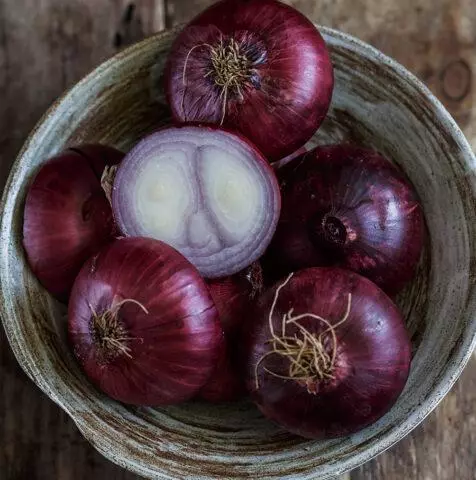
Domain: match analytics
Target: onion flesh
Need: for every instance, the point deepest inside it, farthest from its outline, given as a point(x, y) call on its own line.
point(207, 192)
point(328, 353)
point(259, 67)
point(67, 216)
point(143, 324)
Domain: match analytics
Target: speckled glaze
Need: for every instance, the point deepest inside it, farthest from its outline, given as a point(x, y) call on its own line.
point(377, 103)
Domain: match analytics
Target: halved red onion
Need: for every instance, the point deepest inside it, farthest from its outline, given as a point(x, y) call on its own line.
point(206, 191)
point(143, 324)
point(257, 66)
point(67, 216)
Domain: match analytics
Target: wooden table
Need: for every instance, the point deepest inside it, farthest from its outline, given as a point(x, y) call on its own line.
point(47, 45)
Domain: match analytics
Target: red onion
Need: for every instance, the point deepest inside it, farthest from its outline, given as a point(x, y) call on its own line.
point(225, 383)
point(143, 324)
point(207, 192)
point(328, 353)
point(257, 66)
point(233, 297)
point(349, 207)
point(67, 216)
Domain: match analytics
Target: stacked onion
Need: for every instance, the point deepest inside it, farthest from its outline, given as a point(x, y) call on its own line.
point(193, 268)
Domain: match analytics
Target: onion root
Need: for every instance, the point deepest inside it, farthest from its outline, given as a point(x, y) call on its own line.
point(107, 180)
point(309, 362)
point(230, 70)
point(110, 334)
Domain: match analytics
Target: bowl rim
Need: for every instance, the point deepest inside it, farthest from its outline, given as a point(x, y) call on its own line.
point(455, 363)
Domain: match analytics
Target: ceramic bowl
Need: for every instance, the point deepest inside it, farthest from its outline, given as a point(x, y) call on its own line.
point(377, 103)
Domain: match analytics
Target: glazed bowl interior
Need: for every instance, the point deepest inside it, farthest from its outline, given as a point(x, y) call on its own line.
point(375, 103)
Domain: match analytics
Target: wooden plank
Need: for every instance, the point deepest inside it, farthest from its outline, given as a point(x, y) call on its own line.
point(48, 48)
point(38, 440)
point(178, 11)
point(45, 47)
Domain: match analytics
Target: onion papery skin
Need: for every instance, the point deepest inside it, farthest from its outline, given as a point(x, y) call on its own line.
point(286, 88)
point(349, 207)
point(172, 349)
point(372, 357)
point(67, 217)
point(233, 297)
point(204, 190)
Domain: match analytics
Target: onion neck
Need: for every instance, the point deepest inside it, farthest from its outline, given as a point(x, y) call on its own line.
point(333, 229)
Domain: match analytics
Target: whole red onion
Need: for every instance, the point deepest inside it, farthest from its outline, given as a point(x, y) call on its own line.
point(328, 353)
point(225, 383)
point(233, 297)
point(258, 66)
point(67, 216)
point(234, 294)
point(347, 206)
point(143, 324)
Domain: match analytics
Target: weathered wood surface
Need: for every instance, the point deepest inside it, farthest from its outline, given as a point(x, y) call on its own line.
point(46, 46)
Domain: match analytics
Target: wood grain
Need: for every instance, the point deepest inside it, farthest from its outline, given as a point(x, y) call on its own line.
point(45, 49)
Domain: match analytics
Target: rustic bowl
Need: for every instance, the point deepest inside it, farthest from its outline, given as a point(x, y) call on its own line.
point(377, 103)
